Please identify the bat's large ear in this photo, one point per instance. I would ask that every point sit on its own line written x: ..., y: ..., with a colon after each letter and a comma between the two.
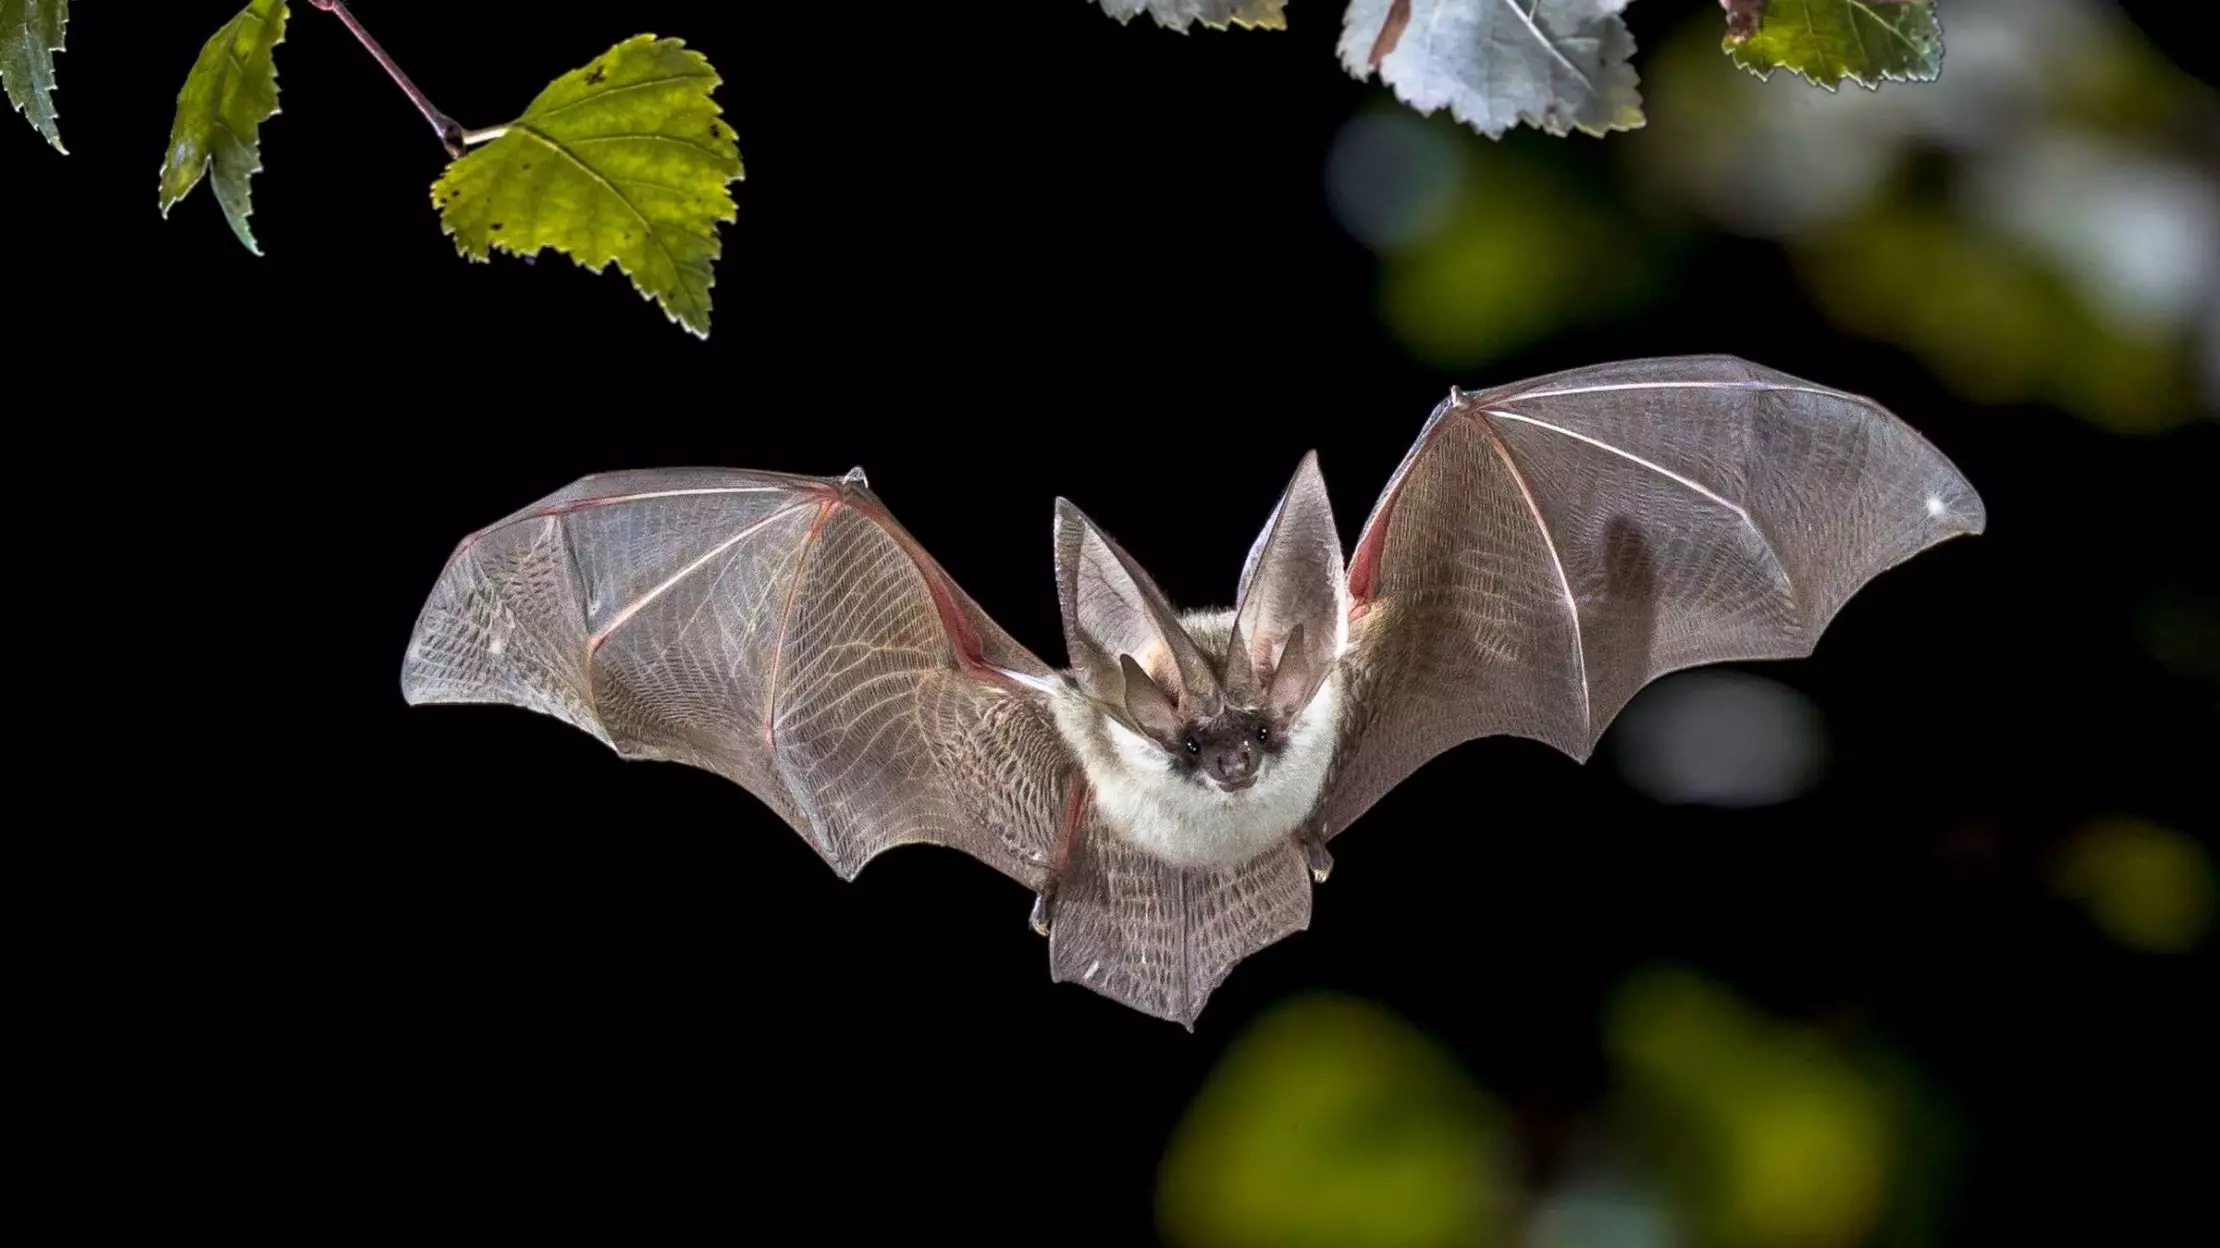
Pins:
x: 1292, y: 616
x: 1112, y: 610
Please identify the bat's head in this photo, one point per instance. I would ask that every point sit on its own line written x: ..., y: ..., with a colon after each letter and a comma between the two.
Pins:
x: 1220, y: 692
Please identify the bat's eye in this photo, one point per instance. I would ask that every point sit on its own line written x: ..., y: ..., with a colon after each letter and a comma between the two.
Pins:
x: 1194, y: 746
x: 1263, y: 732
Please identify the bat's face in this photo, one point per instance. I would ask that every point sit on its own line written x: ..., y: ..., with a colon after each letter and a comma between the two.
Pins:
x: 1229, y: 750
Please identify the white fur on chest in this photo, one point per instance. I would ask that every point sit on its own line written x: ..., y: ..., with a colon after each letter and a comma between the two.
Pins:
x: 1141, y: 798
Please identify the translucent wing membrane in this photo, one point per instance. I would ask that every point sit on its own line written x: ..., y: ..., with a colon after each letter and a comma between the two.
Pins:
x: 1547, y: 549
x: 780, y: 631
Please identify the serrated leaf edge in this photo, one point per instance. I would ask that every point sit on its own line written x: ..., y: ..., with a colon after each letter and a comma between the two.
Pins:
x: 238, y: 223
x: 494, y: 244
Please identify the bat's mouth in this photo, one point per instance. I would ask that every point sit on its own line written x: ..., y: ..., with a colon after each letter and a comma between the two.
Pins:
x: 1234, y: 786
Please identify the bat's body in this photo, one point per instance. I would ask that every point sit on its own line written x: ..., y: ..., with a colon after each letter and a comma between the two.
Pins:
x: 1143, y: 799
x: 1543, y: 551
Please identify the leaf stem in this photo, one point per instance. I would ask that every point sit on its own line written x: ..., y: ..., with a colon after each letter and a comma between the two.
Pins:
x: 451, y: 133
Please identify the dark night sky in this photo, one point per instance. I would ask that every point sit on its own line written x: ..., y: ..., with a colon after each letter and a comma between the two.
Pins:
x: 366, y: 975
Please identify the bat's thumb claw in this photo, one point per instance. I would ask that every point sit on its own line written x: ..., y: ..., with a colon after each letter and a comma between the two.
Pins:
x: 854, y: 476
x: 1039, y: 918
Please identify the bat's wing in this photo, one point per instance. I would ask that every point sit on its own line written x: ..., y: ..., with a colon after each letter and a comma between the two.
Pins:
x: 1547, y: 549
x: 781, y: 631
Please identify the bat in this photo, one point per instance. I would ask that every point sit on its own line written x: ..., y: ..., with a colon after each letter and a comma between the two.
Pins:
x: 1543, y: 551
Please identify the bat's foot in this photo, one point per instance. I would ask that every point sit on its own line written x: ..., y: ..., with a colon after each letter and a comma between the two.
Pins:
x: 1043, y: 903
x: 1321, y: 862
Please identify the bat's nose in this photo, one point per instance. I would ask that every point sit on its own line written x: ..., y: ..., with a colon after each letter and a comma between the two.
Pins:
x: 1235, y: 763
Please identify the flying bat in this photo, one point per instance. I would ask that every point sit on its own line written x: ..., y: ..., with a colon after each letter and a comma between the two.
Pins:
x: 1544, y: 551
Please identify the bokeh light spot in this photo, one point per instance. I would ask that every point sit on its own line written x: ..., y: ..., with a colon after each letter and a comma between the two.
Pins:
x: 1720, y: 738
x: 1331, y: 1122
x: 1393, y: 177
x: 2146, y: 886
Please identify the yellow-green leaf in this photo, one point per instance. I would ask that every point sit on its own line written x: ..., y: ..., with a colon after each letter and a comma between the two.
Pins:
x: 230, y: 93
x: 1866, y: 41
x: 30, y: 35
x: 624, y: 160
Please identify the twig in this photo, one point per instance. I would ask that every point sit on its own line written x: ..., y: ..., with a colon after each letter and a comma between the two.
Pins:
x: 451, y: 133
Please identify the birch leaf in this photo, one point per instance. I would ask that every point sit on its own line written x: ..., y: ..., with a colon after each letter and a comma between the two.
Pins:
x: 624, y: 160
x: 1559, y: 65
x: 1216, y: 14
x: 30, y: 35
x: 230, y: 93
x: 1867, y: 41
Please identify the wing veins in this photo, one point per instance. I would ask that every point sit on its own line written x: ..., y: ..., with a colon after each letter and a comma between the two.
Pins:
x: 1564, y: 583
x: 1780, y: 570
x: 633, y: 608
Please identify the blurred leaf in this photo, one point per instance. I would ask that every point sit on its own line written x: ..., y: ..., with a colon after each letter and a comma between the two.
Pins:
x: 231, y: 91
x: 1559, y: 65
x: 2148, y: 887
x: 1216, y: 14
x: 1777, y: 1138
x: 1866, y: 41
x: 622, y: 160
x: 1330, y: 1122
x: 1521, y: 255
x: 30, y: 34
x: 1998, y: 324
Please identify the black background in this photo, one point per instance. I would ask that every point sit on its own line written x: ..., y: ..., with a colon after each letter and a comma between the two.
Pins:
x: 354, y: 973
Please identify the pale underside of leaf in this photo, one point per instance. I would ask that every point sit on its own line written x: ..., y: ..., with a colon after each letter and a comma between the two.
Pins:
x: 624, y: 160
x: 1558, y: 65
x: 31, y: 32
x: 1216, y: 14
x: 230, y: 92
x: 1825, y: 41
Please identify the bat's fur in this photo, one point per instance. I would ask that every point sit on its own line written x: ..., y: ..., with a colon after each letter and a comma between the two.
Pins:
x: 1143, y: 794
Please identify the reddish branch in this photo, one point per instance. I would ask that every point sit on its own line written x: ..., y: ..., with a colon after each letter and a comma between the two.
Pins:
x: 450, y: 132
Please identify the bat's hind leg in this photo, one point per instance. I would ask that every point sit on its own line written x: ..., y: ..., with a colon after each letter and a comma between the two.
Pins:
x: 1075, y: 806
x: 1313, y: 841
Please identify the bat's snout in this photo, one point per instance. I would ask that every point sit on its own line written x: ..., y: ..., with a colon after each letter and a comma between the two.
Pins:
x: 1233, y: 767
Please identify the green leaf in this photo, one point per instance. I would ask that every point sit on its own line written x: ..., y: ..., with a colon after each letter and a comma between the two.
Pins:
x: 1216, y: 14
x: 230, y: 93
x: 30, y: 35
x: 1866, y: 41
x: 622, y: 160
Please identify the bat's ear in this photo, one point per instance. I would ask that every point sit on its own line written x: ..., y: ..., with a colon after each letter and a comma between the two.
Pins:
x: 1293, y: 610
x: 1113, y: 610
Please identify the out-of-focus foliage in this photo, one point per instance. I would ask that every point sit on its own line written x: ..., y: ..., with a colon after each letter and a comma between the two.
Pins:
x: 2148, y: 887
x: 2039, y: 225
x: 1720, y: 738
x: 624, y: 160
x: 31, y: 32
x: 1866, y: 41
x: 230, y: 92
x: 1333, y: 1123
x: 1559, y: 65
x: 1485, y: 248
x: 1330, y: 1121
x: 1773, y: 1134
x: 1216, y: 14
